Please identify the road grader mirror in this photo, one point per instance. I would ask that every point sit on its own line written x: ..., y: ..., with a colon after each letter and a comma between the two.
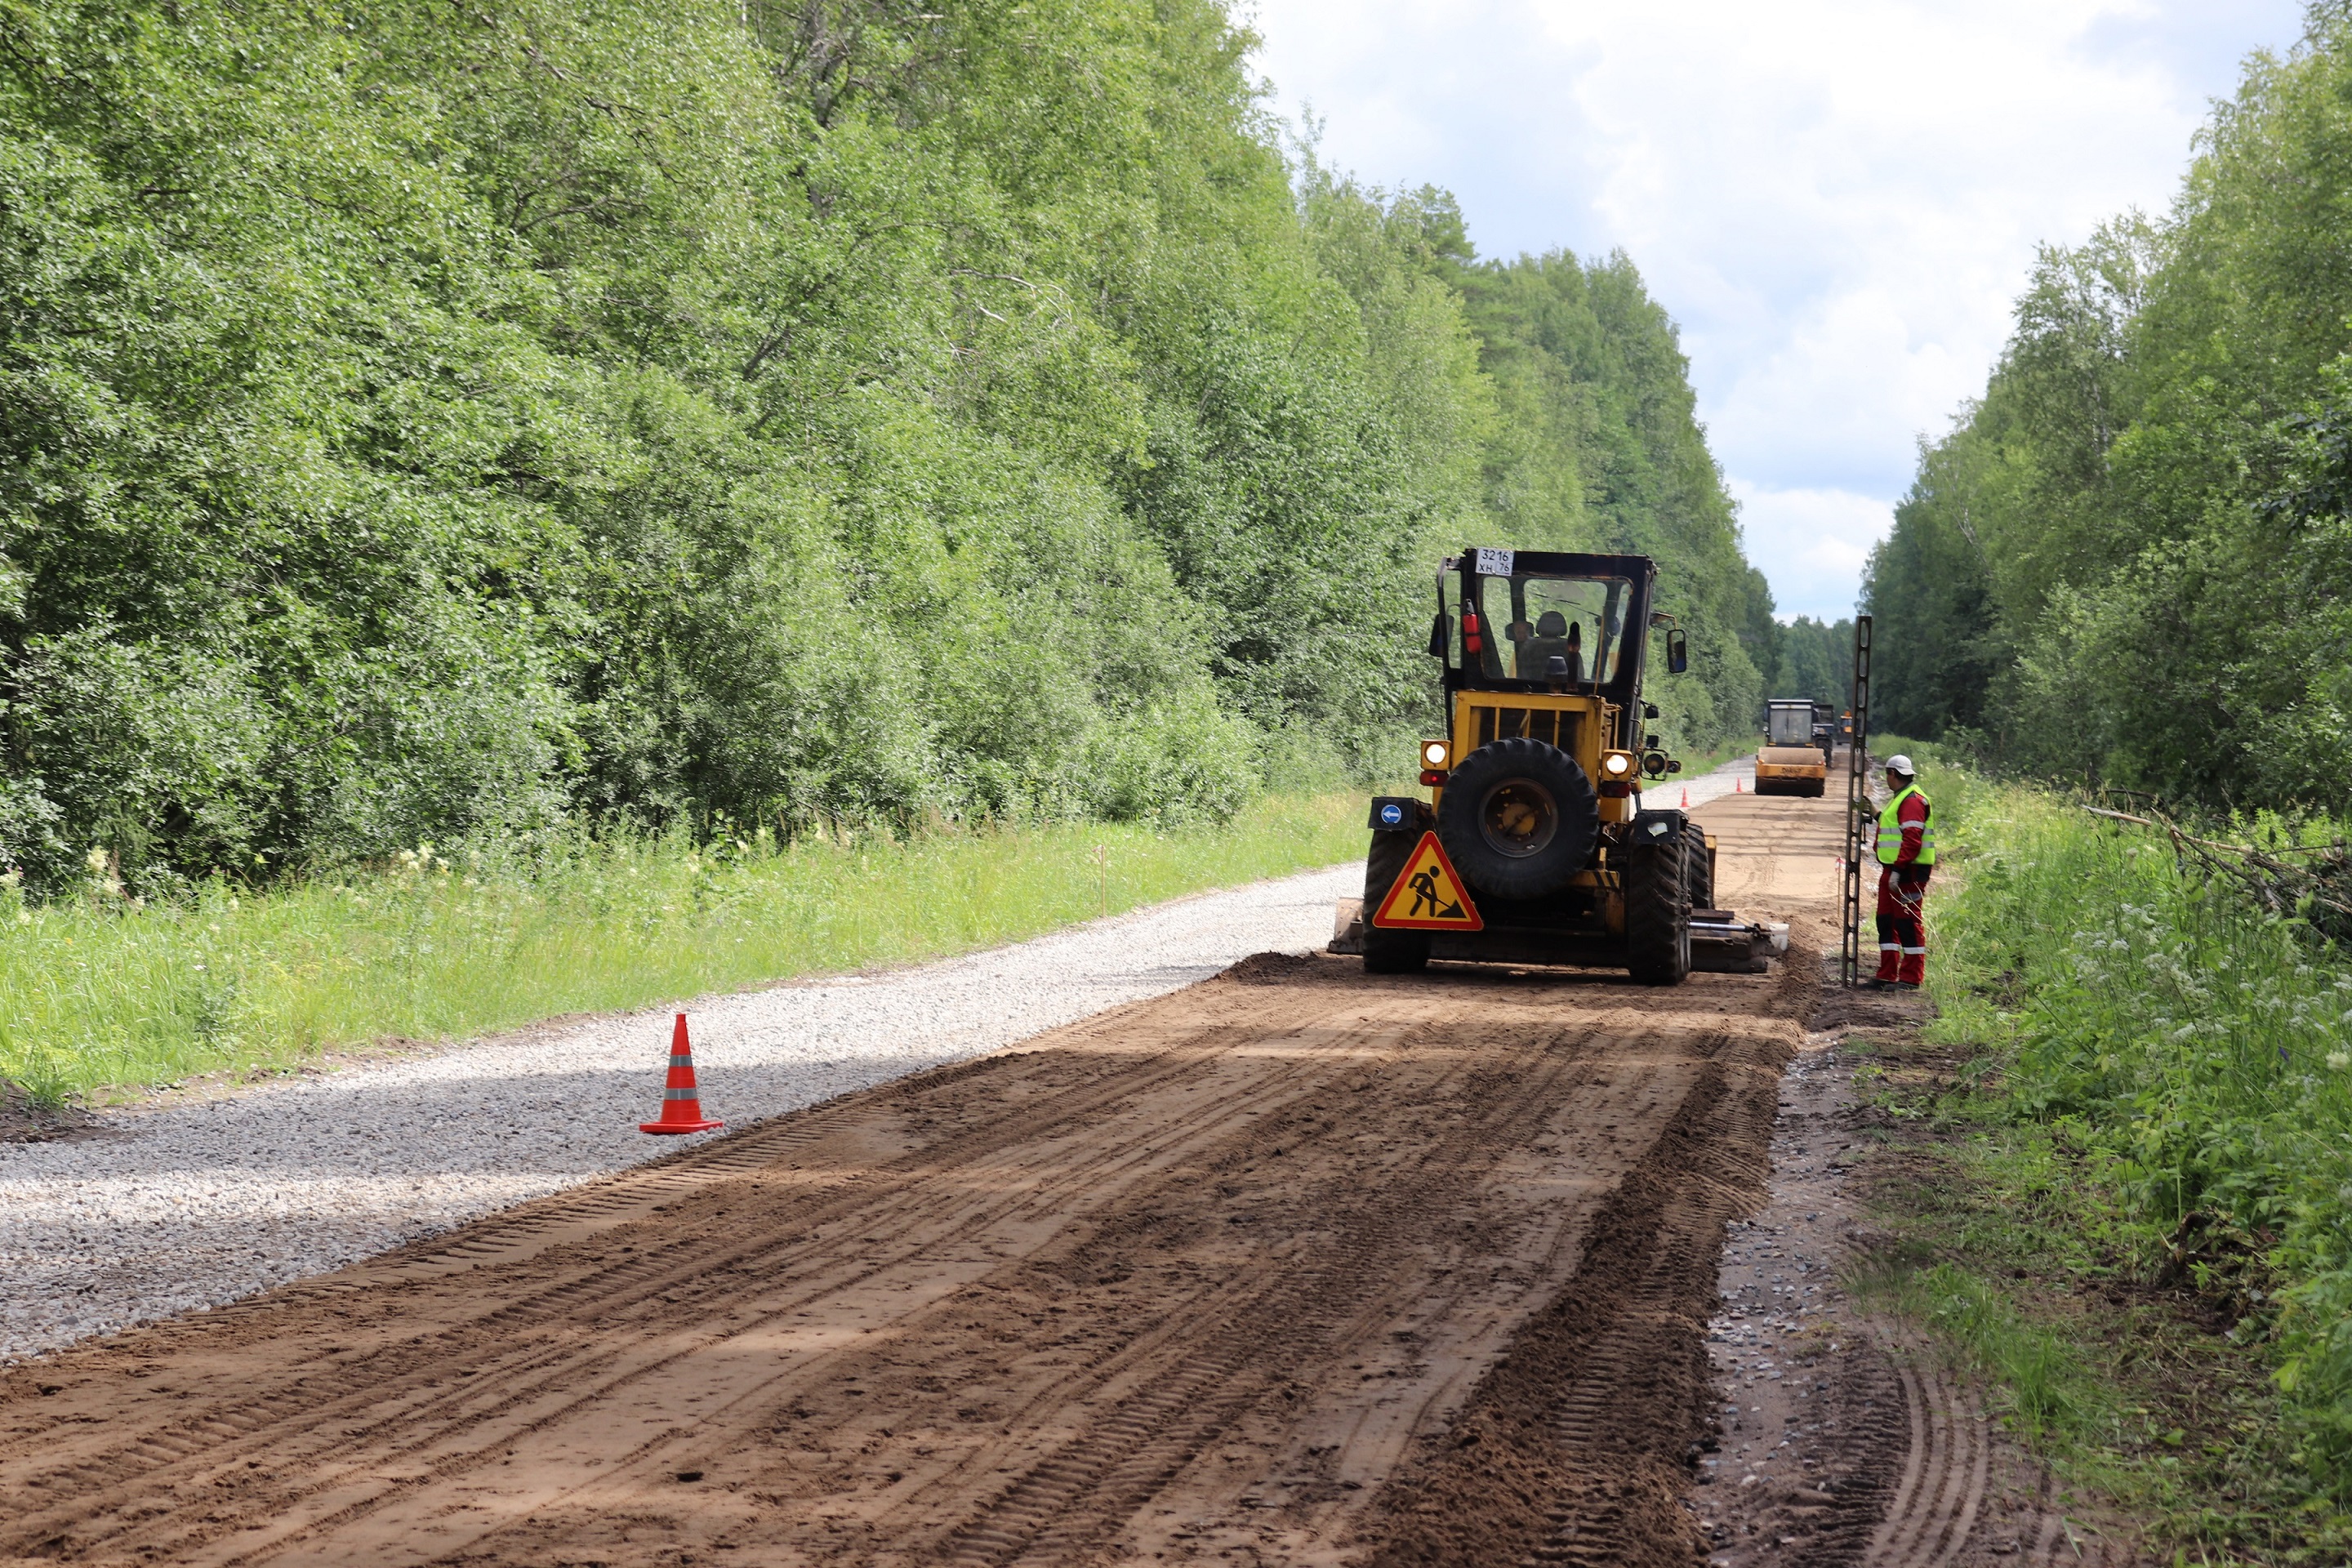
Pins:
x: 1677, y: 652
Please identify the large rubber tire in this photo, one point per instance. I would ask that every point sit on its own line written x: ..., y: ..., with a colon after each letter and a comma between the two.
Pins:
x: 1383, y: 863
x: 1535, y: 774
x: 1389, y: 951
x: 1699, y: 868
x: 1657, y: 907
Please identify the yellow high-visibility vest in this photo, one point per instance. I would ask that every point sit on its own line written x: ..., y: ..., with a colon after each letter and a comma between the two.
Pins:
x: 1890, y: 831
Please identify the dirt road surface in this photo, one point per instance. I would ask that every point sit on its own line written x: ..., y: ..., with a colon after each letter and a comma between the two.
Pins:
x: 1295, y: 1266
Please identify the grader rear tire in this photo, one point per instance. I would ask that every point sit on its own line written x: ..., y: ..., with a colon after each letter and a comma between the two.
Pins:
x: 1657, y: 907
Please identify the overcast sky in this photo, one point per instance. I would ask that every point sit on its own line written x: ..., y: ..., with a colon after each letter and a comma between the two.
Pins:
x: 1838, y: 202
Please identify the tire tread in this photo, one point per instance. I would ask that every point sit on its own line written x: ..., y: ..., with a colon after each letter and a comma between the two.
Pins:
x: 1392, y: 952
x: 1657, y: 909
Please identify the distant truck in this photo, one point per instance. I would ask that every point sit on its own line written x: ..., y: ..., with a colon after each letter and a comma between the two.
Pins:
x: 1799, y: 740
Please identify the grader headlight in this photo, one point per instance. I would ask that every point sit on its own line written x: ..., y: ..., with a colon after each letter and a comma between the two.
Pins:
x: 1617, y: 764
x: 1435, y: 754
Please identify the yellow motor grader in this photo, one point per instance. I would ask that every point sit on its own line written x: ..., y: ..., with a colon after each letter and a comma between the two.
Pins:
x: 1535, y: 845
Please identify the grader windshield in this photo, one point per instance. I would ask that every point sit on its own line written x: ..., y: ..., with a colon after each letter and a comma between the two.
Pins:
x: 1549, y: 628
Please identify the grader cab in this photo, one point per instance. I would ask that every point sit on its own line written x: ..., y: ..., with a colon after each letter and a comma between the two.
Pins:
x: 1535, y: 845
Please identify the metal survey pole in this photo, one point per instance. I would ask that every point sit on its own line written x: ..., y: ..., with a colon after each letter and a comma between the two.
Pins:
x: 1857, y: 797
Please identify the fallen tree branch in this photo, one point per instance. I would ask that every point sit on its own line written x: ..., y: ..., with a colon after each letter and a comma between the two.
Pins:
x: 2286, y: 889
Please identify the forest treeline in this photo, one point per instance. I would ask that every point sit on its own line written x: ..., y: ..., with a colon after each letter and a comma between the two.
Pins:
x: 1814, y: 658
x: 2129, y: 561
x: 420, y: 420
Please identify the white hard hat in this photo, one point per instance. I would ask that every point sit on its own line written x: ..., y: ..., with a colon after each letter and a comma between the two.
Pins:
x: 1899, y: 763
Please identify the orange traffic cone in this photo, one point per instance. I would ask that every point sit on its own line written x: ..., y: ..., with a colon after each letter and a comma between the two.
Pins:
x: 1735, y: 785
x: 1686, y: 797
x: 681, y: 1103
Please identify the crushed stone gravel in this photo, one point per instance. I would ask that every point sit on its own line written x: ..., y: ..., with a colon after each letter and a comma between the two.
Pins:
x: 187, y: 1207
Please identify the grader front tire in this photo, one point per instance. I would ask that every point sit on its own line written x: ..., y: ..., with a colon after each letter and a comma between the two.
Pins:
x: 1389, y: 951
x: 1657, y: 909
x: 1699, y: 868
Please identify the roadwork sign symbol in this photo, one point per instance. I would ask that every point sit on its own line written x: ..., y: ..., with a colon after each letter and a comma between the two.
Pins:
x: 1428, y: 894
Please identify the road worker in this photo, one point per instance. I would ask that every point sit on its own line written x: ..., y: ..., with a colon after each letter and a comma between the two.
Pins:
x: 1907, y: 855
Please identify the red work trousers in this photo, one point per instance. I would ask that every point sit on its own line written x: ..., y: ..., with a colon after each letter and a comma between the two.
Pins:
x: 1902, y: 930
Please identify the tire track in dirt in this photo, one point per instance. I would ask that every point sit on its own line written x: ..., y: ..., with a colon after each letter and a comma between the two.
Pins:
x: 1221, y: 1307
x: 606, y: 1290
x: 1575, y: 1447
x: 1943, y: 1510
x: 1137, y: 1422
x: 1149, y: 1438
x: 1943, y: 1481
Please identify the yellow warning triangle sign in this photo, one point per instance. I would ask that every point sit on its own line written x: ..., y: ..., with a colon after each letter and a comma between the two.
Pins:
x: 1428, y: 894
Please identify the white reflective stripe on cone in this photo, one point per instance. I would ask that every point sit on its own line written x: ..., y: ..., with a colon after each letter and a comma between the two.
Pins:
x: 681, y: 1093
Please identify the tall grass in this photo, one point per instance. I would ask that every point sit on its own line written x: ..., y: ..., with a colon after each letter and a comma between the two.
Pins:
x: 2199, y: 1050
x: 97, y: 994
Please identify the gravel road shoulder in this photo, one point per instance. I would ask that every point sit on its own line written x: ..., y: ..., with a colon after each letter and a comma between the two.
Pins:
x: 190, y: 1206
x: 1840, y: 1437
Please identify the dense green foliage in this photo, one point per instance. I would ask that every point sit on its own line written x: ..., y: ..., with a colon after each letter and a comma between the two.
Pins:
x: 2130, y: 560
x: 2193, y: 1051
x: 417, y: 422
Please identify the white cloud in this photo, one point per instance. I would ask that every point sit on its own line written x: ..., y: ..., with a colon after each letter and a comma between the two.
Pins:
x: 1837, y: 199
x: 1811, y: 543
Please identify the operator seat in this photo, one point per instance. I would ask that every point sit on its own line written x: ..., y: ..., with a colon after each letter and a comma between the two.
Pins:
x: 1554, y: 638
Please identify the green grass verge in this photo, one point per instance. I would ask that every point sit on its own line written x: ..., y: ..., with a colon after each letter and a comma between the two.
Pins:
x: 2134, y: 1387
x: 2115, y: 1168
x: 98, y: 996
